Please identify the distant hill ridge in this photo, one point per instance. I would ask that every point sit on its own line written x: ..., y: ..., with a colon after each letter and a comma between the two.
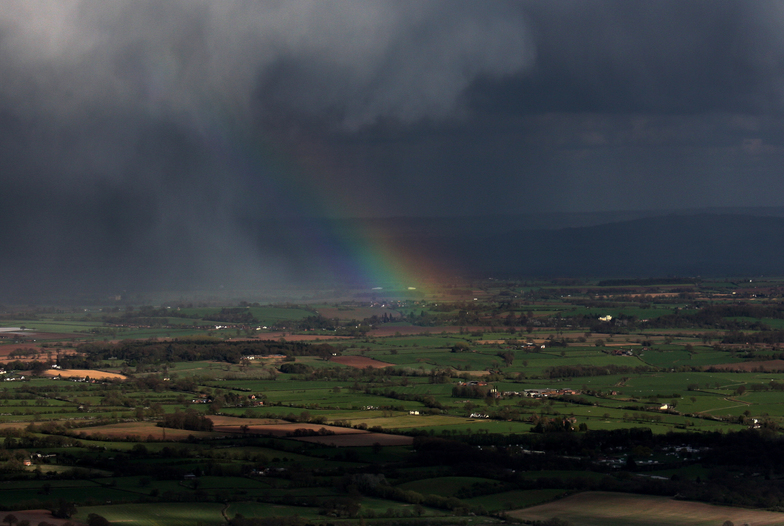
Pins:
x: 484, y: 224
x: 711, y: 243
x: 705, y: 244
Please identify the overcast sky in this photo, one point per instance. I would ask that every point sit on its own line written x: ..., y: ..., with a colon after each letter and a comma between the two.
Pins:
x: 131, y: 126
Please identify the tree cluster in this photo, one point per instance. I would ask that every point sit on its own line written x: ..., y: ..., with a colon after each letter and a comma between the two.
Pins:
x: 190, y: 420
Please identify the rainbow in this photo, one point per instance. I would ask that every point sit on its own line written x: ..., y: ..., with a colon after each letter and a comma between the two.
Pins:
x: 303, y: 179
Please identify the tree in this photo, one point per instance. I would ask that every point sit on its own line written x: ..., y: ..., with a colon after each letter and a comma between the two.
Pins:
x: 10, y: 519
x: 94, y: 519
x: 460, y: 347
x: 324, y: 352
x: 64, y: 509
x: 508, y: 357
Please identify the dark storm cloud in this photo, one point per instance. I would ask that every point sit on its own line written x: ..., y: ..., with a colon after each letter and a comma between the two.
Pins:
x: 668, y: 57
x: 361, y: 60
x: 119, y: 120
x: 629, y: 105
x: 122, y: 124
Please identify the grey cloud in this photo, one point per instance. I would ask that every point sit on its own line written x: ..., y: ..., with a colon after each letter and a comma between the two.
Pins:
x: 122, y: 123
x: 154, y: 140
x: 654, y: 57
x: 363, y: 60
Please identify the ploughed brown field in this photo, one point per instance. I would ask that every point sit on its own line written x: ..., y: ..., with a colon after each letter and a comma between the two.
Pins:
x: 342, y: 436
x: 81, y: 373
x: 6, y: 349
x: 38, y: 516
x: 767, y: 365
x: 599, y: 508
x: 223, y: 425
x: 360, y: 362
x: 141, y: 430
x: 264, y: 426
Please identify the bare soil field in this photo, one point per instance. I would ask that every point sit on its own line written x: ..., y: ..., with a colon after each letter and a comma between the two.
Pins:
x: 360, y: 362
x: 597, y: 508
x: 276, y: 429
x: 221, y: 425
x: 767, y: 365
x: 343, y: 436
x: 6, y: 349
x: 142, y: 430
x: 237, y: 422
x: 14, y: 425
x: 38, y: 516
x: 81, y: 373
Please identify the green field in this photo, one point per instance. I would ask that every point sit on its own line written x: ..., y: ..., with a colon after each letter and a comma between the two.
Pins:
x: 168, y: 514
x: 504, y: 415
